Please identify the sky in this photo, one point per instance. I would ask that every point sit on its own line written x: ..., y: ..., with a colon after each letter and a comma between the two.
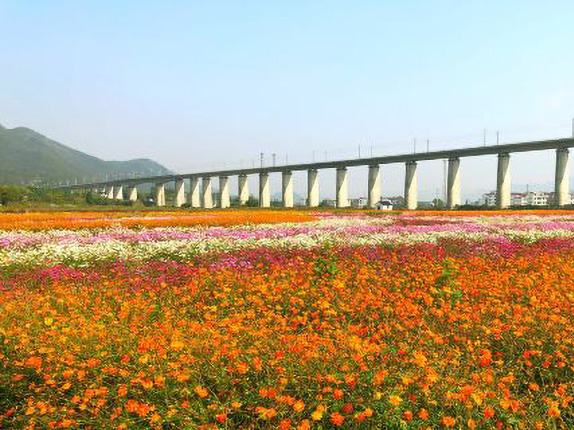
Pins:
x: 204, y: 85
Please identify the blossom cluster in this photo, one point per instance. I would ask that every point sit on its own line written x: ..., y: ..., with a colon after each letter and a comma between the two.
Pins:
x: 340, y: 320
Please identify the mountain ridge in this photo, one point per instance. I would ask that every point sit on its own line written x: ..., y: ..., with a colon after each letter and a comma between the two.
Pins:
x: 27, y: 156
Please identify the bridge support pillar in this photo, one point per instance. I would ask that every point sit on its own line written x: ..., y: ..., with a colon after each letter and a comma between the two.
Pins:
x: 194, y: 192
x: 133, y: 193
x: 411, y: 186
x: 110, y: 192
x: 312, y: 188
x: 243, y: 190
x: 287, y: 189
x: 160, y: 194
x: 503, y: 181
x: 562, y: 178
x: 453, y: 183
x: 342, y: 188
x: 179, y: 192
x: 374, y: 185
x: 224, y: 192
x: 119, y: 192
x: 207, y: 200
x: 264, y: 193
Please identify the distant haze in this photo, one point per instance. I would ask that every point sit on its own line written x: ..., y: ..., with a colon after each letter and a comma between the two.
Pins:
x: 202, y: 85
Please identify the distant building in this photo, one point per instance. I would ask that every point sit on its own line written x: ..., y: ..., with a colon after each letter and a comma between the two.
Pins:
x: 489, y: 199
x: 518, y: 199
x: 384, y: 205
x: 359, y: 203
x: 328, y: 203
x: 530, y: 198
x: 397, y: 201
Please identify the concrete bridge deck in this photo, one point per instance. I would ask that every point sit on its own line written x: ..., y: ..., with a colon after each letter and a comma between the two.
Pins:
x: 114, y: 189
x: 476, y: 151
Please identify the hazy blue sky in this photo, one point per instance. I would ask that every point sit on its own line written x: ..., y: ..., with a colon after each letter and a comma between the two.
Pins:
x: 197, y: 85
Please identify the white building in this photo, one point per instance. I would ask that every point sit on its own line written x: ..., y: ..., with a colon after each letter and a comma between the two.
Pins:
x: 531, y: 198
x: 384, y: 205
x: 489, y: 199
x: 360, y: 202
x: 539, y: 199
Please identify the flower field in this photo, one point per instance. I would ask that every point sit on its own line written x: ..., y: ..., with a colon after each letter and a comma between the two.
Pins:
x: 287, y: 320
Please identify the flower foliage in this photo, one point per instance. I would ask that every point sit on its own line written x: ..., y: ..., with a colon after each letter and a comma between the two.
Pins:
x: 448, y: 331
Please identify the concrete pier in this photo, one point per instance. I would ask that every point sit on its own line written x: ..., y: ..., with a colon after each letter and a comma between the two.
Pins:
x: 194, y: 193
x: 110, y: 192
x: 503, y: 181
x: 133, y: 193
x: 160, y: 194
x: 342, y: 188
x: 119, y: 192
x: 243, y: 190
x: 179, y: 193
x: 312, y: 188
x: 207, y: 198
x: 264, y: 192
x: 562, y: 178
x: 224, y: 192
x: 374, y: 188
x: 411, y: 186
x: 287, y: 189
x: 453, y: 183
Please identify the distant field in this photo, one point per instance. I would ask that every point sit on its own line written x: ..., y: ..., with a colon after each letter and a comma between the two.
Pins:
x: 286, y: 319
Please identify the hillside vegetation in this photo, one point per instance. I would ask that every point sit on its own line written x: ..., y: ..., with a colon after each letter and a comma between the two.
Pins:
x: 26, y: 156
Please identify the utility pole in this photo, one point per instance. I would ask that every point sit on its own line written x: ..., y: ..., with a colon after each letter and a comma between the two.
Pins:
x: 261, y: 158
x: 414, y: 146
x: 273, y: 156
x: 359, y: 151
x: 497, y: 137
x: 484, y: 137
x: 428, y: 145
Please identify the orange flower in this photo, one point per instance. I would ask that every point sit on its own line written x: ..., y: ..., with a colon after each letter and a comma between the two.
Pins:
x: 448, y: 421
x: 305, y: 425
x: 488, y: 413
x: 337, y: 419
x: 298, y: 406
x: 553, y: 412
x: 147, y: 383
x: 423, y: 414
x: 201, y: 391
x: 177, y: 344
x: 318, y: 414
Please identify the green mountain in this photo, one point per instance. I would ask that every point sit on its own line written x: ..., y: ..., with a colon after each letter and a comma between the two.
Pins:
x: 27, y: 157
